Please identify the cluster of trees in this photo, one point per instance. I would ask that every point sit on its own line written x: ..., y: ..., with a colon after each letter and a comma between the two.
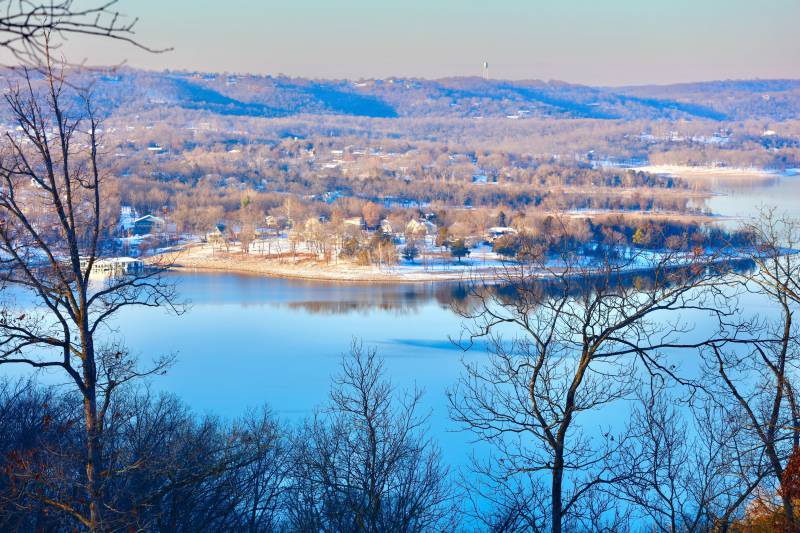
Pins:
x: 752, y: 154
x: 326, y: 227
x: 362, y: 462
x: 601, y: 235
x: 163, y: 182
x: 366, y: 231
x: 379, y: 249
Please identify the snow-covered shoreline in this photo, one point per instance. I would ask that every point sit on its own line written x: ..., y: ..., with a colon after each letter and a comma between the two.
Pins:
x: 709, y: 172
x: 481, y: 266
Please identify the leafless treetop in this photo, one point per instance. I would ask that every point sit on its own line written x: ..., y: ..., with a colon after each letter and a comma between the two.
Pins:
x: 26, y: 25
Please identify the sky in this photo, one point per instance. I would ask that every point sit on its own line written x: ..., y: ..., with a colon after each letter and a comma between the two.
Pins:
x: 595, y: 42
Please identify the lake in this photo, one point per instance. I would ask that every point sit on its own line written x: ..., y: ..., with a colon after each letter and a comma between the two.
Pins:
x: 742, y: 199
x: 246, y: 341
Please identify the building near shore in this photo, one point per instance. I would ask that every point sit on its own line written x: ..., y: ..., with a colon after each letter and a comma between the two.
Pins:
x: 149, y: 225
x: 115, y: 266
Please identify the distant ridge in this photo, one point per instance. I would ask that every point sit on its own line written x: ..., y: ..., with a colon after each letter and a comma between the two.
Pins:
x: 131, y: 90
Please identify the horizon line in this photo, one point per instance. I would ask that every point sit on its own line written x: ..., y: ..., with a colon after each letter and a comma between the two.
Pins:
x: 124, y: 66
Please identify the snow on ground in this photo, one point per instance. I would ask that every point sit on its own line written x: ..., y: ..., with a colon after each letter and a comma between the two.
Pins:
x: 274, y: 259
x: 709, y: 172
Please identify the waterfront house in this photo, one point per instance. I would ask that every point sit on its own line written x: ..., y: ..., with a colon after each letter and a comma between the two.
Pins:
x: 420, y: 228
x: 115, y: 266
x: 149, y: 225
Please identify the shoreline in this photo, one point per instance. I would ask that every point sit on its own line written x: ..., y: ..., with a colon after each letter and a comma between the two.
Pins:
x: 706, y: 172
x: 310, y: 270
x: 313, y: 271
x: 383, y: 278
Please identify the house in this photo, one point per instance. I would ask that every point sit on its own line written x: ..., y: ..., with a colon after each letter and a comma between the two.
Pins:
x: 114, y: 266
x: 355, y: 221
x: 148, y: 225
x: 263, y: 232
x: 127, y: 216
x: 420, y: 228
x: 499, y: 231
x: 331, y: 196
x: 386, y: 226
x: 217, y: 234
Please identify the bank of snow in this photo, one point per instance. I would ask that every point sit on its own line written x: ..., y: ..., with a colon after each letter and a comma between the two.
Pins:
x: 481, y: 264
x: 712, y: 173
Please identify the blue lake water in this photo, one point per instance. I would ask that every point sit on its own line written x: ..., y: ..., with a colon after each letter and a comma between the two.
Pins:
x: 247, y: 341
x: 744, y: 198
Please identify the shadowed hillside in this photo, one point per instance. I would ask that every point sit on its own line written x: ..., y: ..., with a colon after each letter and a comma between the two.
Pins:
x: 268, y: 96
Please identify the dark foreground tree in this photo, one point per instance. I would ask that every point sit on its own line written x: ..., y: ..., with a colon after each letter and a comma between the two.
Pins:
x: 362, y: 464
x: 687, y: 466
x: 410, y: 252
x: 459, y: 249
x: 171, y: 471
x: 568, y: 340
x: 54, y: 228
x: 751, y: 372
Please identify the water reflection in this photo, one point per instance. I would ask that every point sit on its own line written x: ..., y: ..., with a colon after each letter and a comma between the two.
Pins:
x: 742, y: 199
x: 324, y: 298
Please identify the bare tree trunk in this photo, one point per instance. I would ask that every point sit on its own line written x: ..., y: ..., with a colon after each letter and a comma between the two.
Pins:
x: 93, y: 459
x: 788, y: 511
x: 93, y: 424
x: 557, y: 482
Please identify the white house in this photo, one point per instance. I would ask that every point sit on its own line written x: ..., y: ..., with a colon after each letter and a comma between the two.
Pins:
x: 499, y: 231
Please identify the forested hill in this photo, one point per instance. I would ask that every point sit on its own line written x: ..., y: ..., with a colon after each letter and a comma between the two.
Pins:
x: 130, y: 90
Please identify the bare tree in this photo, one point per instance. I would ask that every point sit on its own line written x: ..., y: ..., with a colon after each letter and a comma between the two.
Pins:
x: 29, y: 28
x: 774, y: 241
x: 52, y: 228
x: 365, y: 464
x: 686, y: 465
x: 170, y: 469
x: 263, y: 470
x: 752, y: 368
x: 580, y: 335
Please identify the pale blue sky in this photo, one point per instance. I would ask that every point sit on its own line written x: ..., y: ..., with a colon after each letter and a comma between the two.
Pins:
x: 608, y: 42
